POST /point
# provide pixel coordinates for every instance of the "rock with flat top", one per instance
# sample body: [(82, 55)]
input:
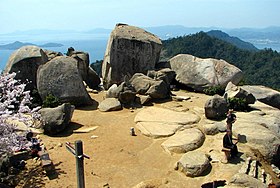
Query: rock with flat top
[(184, 141), (161, 122)]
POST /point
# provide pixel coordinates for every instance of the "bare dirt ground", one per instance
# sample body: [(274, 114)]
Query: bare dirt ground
[(118, 159)]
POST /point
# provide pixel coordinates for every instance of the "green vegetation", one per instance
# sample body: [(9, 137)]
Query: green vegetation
[(51, 102), (259, 67), (214, 90), (237, 104)]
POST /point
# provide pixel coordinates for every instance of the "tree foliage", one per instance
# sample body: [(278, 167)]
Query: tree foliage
[(259, 67), (14, 106)]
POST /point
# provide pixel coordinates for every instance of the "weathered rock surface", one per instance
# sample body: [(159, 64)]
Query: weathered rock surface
[(184, 141), (159, 122), (109, 104), (193, 163), (155, 114), (200, 74), (52, 54), (254, 131), (216, 107), (210, 129), (25, 62), (129, 50), (145, 85), (55, 120), (61, 78), (264, 94), (233, 91)]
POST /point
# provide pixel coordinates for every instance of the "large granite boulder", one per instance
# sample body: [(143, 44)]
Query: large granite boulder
[(55, 120), (129, 50), (216, 107), (193, 163), (200, 74), (184, 141), (60, 77), (161, 122), (25, 62), (264, 94), (233, 91), (145, 85)]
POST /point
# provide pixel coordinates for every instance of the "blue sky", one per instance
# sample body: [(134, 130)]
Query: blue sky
[(89, 14)]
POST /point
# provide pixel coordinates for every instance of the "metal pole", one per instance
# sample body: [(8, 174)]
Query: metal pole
[(80, 164)]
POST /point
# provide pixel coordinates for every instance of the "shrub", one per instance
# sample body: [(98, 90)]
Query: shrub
[(51, 101), (214, 90), (238, 104)]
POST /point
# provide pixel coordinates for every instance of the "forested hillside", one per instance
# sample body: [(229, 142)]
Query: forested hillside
[(260, 68)]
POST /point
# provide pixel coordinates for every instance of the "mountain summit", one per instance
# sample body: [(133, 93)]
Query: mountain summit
[(233, 40)]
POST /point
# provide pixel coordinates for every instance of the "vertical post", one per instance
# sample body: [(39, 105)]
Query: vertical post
[(80, 164)]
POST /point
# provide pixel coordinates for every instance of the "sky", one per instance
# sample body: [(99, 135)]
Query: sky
[(83, 15)]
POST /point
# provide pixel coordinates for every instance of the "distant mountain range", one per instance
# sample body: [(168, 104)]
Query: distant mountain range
[(233, 40), (18, 44), (260, 37)]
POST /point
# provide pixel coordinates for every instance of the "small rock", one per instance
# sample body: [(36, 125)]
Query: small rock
[(59, 145), (93, 137)]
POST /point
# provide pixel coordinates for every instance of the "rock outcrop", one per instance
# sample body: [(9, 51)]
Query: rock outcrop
[(264, 94), (60, 77), (259, 131), (199, 74), (25, 62), (129, 50)]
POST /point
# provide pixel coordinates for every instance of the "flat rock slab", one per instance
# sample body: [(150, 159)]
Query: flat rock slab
[(155, 114), (158, 129), (184, 141), (159, 122), (109, 104), (193, 163)]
